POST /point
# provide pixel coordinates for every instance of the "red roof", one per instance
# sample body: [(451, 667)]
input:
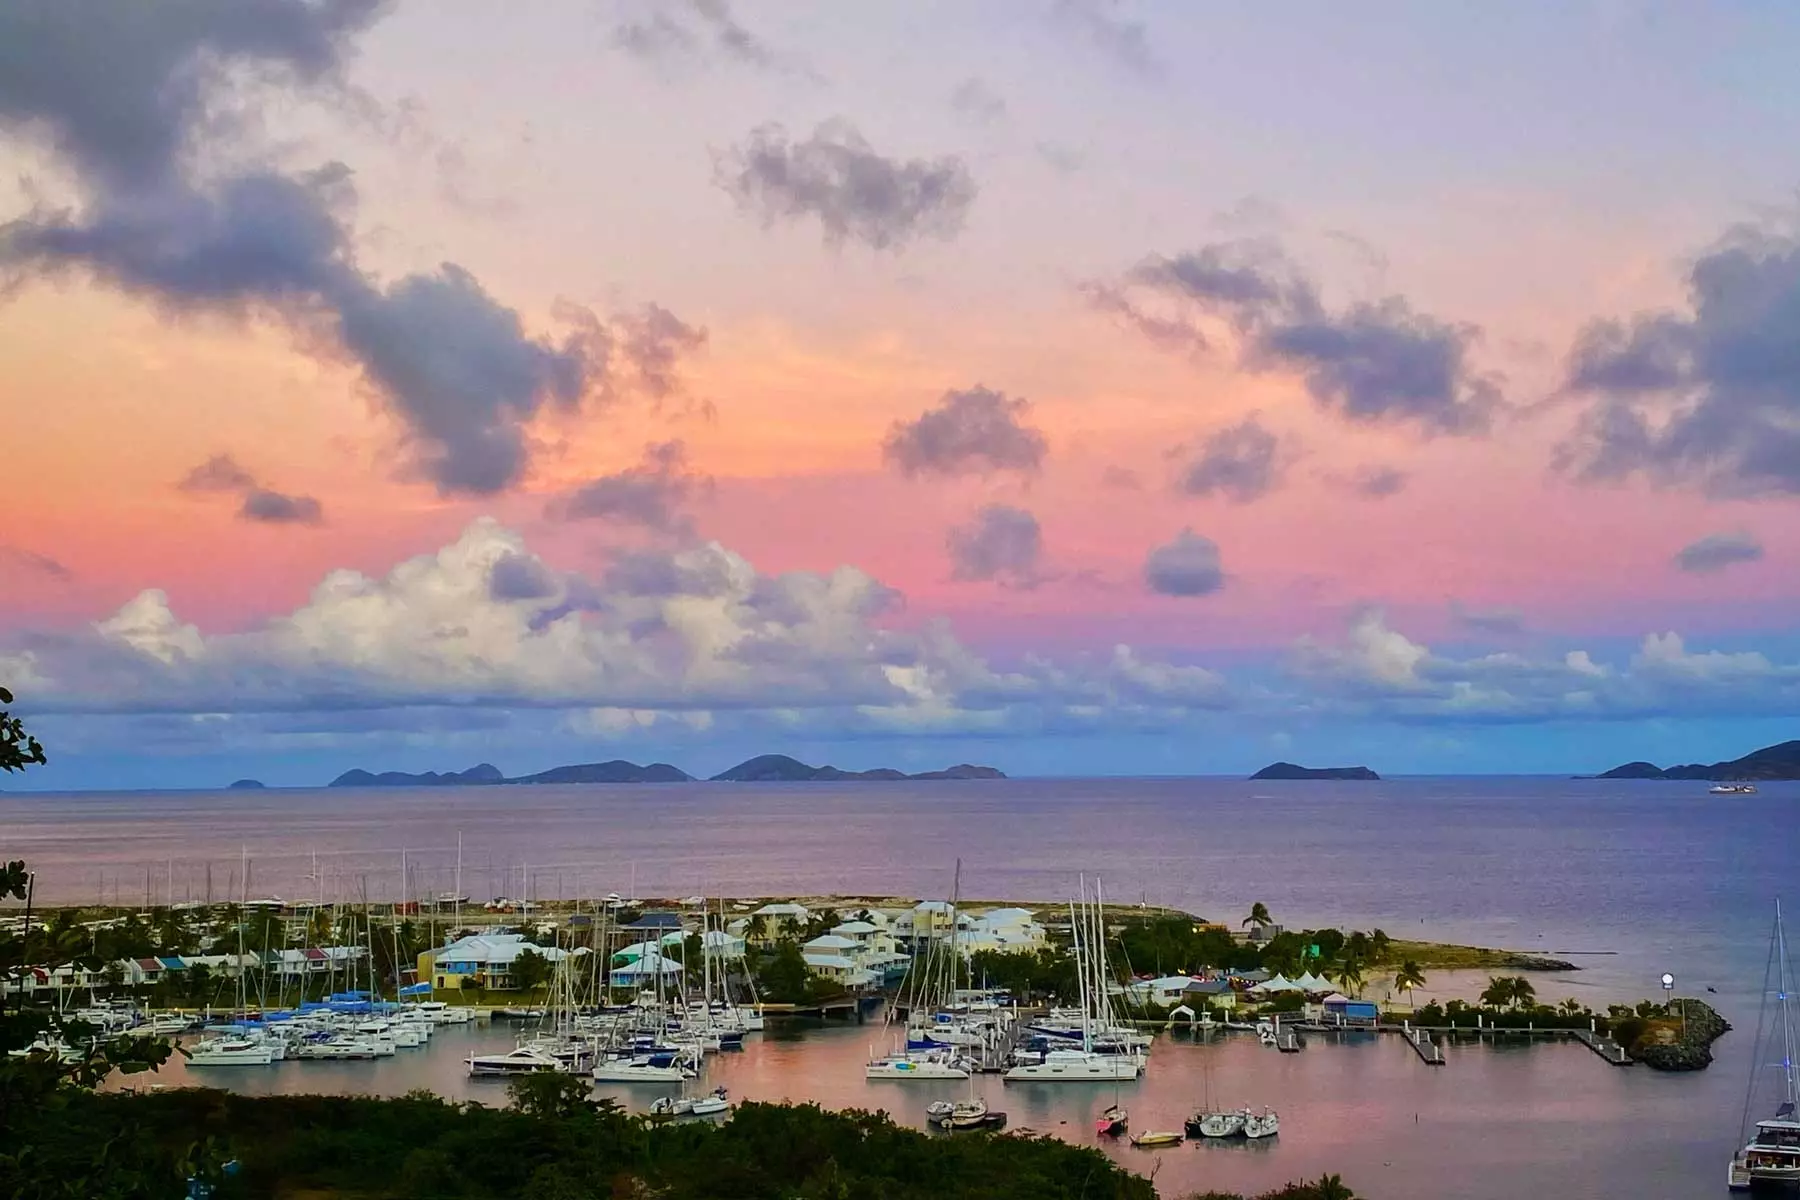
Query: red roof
[(150, 964), (315, 954)]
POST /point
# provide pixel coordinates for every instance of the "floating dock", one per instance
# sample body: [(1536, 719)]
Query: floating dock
[(1605, 1047), (1430, 1052)]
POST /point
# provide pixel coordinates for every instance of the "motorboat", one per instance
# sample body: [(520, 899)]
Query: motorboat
[(646, 1068), (1771, 1155), (712, 1104), (1111, 1122), (232, 1052), (924, 1066), (1261, 1124), (1216, 1124), (525, 1060), (439, 1013), (1156, 1137), (1733, 789), (938, 1112)]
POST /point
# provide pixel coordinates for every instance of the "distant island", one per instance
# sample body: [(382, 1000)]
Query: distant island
[(764, 768), (1770, 763), (246, 785), (779, 768), (1288, 770)]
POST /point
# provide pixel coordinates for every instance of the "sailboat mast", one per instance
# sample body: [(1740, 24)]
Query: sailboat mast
[(1786, 984)]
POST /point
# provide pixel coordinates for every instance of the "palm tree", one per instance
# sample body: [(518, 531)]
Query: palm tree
[(1379, 942), (1259, 915), (1571, 1007), (1523, 994), (1348, 973), (1330, 1187), (1498, 993), (1407, 978)]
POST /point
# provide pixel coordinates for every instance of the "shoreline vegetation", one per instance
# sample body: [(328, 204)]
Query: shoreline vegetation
[(551, 1142)]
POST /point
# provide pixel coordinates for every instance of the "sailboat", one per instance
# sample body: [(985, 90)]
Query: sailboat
[(1088, 1063), (1771, 1156), (245, 1046)]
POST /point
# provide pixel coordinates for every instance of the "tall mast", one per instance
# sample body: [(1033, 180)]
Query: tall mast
[(1786, 985)]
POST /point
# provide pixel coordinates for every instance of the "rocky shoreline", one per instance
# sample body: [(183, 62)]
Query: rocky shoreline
[(1682, 1042)]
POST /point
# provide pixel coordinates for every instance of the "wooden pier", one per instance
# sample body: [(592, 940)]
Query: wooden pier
[(1605, 1047), (1429, 1051)]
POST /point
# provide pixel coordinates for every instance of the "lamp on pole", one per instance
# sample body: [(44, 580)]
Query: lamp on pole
[(1668, 982)]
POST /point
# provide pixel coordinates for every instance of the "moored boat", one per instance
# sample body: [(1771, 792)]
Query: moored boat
[(525, 1060), (1156, 1137), (1216, 1124), (1111, 1122), (924, 1066), (1261, 1124), (1770, 1158)]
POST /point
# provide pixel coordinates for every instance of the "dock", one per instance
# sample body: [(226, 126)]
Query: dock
[(1288, 1041), (1429, 1051), (1605, 1047)]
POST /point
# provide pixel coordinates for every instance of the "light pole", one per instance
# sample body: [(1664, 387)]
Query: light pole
[(1668, 982)]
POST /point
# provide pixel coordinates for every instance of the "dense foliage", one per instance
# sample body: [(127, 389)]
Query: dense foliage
[(553, 1143)]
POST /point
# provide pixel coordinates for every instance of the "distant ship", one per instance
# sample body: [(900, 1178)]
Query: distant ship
[(1733, 789)]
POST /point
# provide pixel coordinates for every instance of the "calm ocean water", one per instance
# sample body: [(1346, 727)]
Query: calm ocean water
[(1627, 879)]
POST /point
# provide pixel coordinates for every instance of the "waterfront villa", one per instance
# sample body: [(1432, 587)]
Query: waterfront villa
[(482, 961)]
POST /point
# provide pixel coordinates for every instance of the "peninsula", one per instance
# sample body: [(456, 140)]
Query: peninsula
[(1770, 763), (1288, 770), (765, 768)]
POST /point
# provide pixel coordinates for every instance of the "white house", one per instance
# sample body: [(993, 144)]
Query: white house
[(644, 970), (1164, 992)]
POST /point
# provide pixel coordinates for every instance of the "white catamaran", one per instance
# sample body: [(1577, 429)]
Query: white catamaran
[(1771, 1156)]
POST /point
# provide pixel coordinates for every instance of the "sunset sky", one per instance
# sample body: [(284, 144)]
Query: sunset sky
[(1073, 386)]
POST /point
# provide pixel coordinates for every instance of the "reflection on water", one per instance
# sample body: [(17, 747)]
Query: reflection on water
[(1496, 1123)]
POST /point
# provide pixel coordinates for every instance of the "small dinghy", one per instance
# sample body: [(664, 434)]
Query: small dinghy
[(1111, 1123), (1156, 1137)]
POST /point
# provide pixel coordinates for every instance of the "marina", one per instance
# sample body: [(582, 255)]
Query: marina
[(1358, 1106), (1506, 1104)]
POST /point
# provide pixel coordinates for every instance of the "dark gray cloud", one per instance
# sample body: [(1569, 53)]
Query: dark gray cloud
[(279, 508), (1708, 397), (1377, 482), (1505, 622), (1186, 566), (31, 560), (836, 177), (224, 474), (1242, 463), (121, 89), (1098, 24), (969, 432), (1001, 543), (127, 100), (1377, 362), (517, 576), (976, 102), (1716, 551), (677, 29), (650, 494)]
